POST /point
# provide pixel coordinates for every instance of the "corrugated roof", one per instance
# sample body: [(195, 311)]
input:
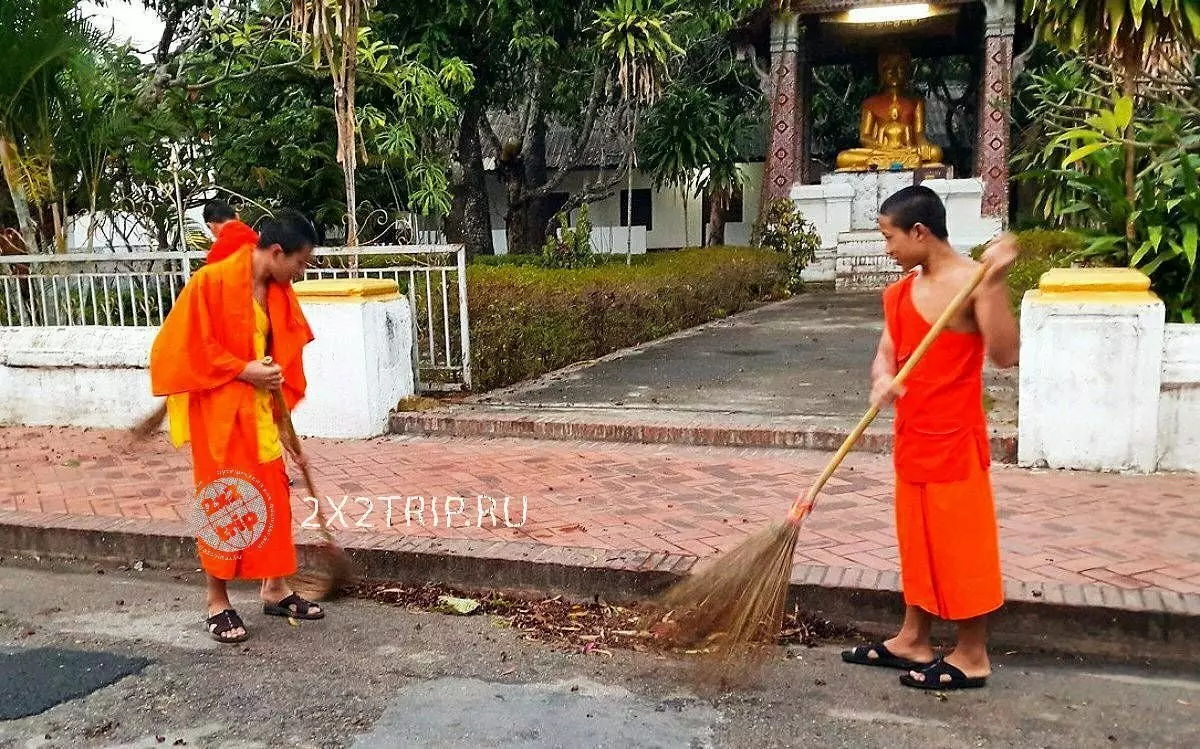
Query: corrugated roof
[(605, 146)]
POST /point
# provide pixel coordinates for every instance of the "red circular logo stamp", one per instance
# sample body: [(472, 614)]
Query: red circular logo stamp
[(231, 513)]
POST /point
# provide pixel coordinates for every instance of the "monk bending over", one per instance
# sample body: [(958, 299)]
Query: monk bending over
[(229, 233), (945, 519), (209, 359)]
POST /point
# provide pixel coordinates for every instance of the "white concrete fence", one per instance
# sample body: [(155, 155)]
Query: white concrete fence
[(1106, 384), (139, 288), (358, 367)]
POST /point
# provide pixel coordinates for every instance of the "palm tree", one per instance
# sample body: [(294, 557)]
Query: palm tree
[(331, 27), (1134, 34), (38, 39), (691, 142), (634, 34)]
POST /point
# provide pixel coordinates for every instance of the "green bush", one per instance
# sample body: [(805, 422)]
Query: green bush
[(573, 247), (785, 230), (1041, 250), (527, 321)]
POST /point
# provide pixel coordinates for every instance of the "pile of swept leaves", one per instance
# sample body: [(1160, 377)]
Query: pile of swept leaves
[(593, 627)]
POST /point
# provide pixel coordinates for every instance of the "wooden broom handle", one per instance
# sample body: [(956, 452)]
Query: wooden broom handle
[(285, 418), (804, 504)]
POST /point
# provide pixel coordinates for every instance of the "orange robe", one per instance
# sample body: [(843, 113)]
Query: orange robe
[(945, 517), (234, 235), (242, 508)]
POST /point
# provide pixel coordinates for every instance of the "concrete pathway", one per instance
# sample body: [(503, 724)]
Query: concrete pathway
[(794, 373), (619, 513)]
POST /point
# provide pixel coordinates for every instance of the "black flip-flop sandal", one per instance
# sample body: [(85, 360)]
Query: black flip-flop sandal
[(224, 622), (933, 680), (883, 658), (303, 608)]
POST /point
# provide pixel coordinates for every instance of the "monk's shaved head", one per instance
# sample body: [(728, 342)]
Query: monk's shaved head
[(916, 205), (288, 229), (218, 212)]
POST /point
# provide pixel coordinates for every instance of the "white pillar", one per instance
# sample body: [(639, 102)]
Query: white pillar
[(359, 365), (1091, 368)]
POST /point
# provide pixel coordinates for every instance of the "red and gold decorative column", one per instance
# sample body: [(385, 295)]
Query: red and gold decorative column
[(992, 149), (783, 158)]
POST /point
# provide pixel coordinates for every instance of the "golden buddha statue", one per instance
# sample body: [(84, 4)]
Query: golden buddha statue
[(892, 126)]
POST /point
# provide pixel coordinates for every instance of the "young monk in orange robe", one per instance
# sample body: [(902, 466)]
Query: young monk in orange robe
[(209, 359), (945, 519), (229, 233)]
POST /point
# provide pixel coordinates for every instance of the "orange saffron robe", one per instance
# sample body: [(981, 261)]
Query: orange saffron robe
[(945, 516), (234, 236), (242, 511)]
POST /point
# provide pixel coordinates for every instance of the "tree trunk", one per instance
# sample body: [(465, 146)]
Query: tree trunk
[(629, 191), (718, 205), (343, 74), (535, 174), (1132, 67), (20, 203), (469, 222)]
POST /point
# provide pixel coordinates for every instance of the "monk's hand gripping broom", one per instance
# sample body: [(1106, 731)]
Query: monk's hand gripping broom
[(734, 607)]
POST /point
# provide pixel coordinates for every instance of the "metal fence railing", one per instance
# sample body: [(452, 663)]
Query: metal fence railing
[(139, 288)]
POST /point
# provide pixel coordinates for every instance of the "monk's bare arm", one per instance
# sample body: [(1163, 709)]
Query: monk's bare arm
[(883, 371), (993, 312)]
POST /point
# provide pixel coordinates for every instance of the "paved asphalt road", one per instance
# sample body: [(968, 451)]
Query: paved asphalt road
[(378, 676)]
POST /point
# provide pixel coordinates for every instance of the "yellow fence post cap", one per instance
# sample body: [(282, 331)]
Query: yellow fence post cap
[(347, 289), (1103, 285)]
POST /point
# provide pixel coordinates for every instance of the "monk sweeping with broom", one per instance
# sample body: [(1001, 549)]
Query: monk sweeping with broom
[(939, 323), (945, 519), (235, 335)]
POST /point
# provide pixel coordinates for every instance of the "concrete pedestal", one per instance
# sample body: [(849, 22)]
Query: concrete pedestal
[(844, 208), (360, 364), (1091, 368)]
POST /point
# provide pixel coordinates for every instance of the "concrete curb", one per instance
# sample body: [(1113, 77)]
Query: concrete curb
[(1089, 620), (441, 424)]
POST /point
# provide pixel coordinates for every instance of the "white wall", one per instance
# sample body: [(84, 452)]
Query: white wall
[(1105, 384), (358, 369), (677, 219), (1089, 384), (1179, 408), (82, 376)]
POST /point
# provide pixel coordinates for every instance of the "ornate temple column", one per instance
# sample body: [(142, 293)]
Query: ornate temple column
[(804, 88), (783, 155), (995, 107)]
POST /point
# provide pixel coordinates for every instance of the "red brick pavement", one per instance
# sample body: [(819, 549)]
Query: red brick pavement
[(1132, 532)]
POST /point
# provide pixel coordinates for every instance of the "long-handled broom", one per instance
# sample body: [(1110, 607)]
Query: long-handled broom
[(335, 573), (734, 607)]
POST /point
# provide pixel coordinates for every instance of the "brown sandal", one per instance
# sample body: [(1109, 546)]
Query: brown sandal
[(219, 625)]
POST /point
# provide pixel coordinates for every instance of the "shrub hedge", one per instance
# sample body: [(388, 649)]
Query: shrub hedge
[(526, 321)]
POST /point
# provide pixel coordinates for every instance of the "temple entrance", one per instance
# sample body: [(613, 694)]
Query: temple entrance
[(870, 97)]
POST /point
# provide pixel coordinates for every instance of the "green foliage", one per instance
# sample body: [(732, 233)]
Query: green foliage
[(1140, 29), (1041, 250), (1055, 93), (634, 34), (571, 247), (527, 321), (1165, 212), (785, 230)]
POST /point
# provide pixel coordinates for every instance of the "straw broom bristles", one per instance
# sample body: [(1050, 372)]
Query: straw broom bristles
[(732, 610)]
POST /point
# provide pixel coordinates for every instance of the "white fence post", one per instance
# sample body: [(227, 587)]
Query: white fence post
[(1091, 371)]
